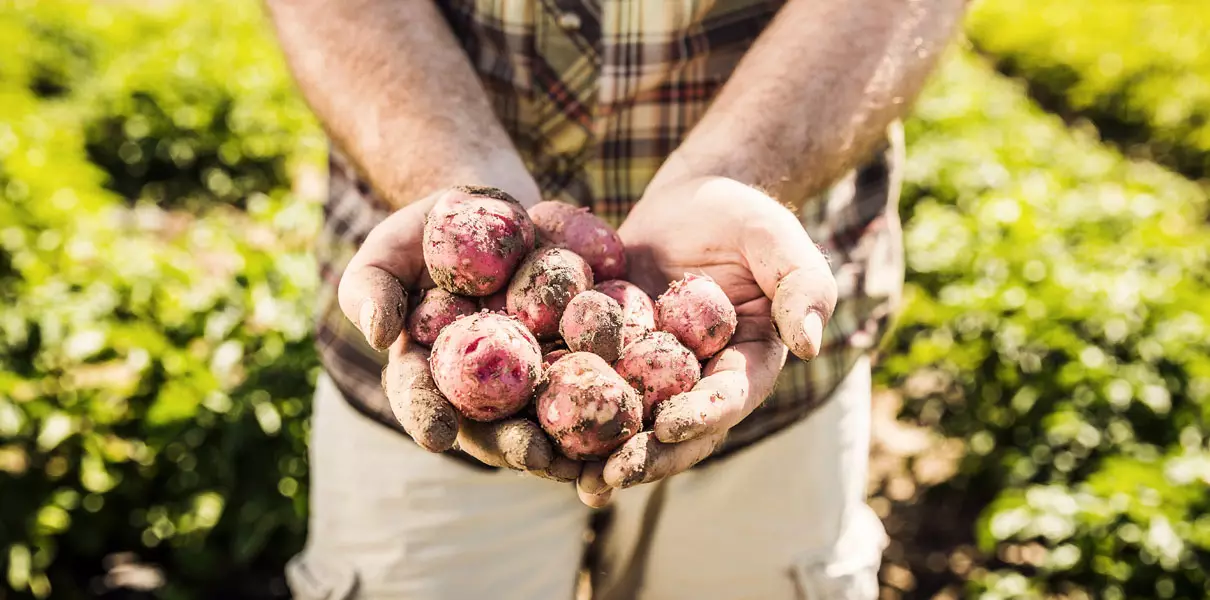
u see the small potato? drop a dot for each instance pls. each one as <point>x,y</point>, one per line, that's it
<point>487,365</point>
<point>638,311</point>
<point>497,302</point>
<point>659,367</point>
<point>586,408</point>
<point>437,309</point>
<point>549,358</point>
<point>696,310</point>
<point>543,286</point>
<point>577,229</point>
<point>474,238</point>
<point>593,323</point>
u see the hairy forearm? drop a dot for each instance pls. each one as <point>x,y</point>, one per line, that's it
<point>816,93</point>
<point>395,92</point>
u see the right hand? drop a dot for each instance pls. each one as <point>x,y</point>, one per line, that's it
<point>373,295</point>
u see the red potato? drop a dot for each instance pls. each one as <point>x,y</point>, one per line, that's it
<point>659,367</point>
<point>497,302</point>
<point>549,358</point>
<point>474,238</point>
<point>487,365</point>
<point>592,323</point>
<point>696,310</point>
<point>543,286</point>
<point>587,408</point>
<point>437,309</point>
<point>638,311</point>
<point>552,351</point>
<point>582,232</point>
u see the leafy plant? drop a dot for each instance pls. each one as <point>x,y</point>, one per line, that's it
<point>155,365</point>
<point>1138,69</point>
<point>1055,326</point>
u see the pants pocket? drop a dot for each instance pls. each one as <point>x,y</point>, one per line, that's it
<point>848,571</point>
<point>310,579</point>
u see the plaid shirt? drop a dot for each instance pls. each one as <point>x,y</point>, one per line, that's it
<point>595,95</point>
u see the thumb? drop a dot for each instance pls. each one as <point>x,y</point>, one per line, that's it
<point>372,288</point>
<point>792,271</point>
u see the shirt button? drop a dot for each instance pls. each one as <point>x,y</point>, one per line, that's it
<point>569,21</point>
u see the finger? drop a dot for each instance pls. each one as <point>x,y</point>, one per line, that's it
<point>515,443</point>
<point>591,486</point>
<point>422,411</point>
<point>803,303</point>
<point>561,469</point>
<point>372,292</point>
<point>600,500</point>
<point>644,459</point>
<point>734,382</point>
<point>792,271</point>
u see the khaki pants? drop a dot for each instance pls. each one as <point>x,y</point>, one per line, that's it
<point>783,519</point>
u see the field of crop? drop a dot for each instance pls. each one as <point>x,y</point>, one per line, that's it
<point>1050,374</point>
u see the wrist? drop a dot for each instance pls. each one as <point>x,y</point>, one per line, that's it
<point>508,173</point>
<point>687,164</point>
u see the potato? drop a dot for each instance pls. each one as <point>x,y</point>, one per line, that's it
<point>577,229</point>
<point>474,238</point>
<point>543,286</point>
<point>659,367</point>
<point>587,408</point>
<point>696,310</point>
<point>487,365</point>
<point>592,323</point>
<point>437,309</point>
<point>638,311</point>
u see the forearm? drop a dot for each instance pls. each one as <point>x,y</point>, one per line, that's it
<point>815,94</point>
<point>394,90</point>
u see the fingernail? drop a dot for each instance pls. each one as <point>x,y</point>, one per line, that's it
<point>365,319</point>
<point>812,327</point>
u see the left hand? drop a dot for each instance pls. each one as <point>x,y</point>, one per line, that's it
<point>783,291</point>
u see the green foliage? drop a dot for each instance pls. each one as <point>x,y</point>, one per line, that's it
<point>1138,68</point>
<point>155,365</point>
<point>1057,325</point>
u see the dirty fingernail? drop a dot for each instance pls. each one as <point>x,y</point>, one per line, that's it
<point>365,319</point>
<point>812,328</point>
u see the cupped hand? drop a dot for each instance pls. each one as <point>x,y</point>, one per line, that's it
<point>783,291</point>
<point>373,295</point>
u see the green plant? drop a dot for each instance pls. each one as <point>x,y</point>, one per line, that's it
<point>1138,69</point>
<point>155,365</point>
<point>1055,325</point>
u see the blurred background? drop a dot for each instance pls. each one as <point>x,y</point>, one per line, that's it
<point>1042,413</point>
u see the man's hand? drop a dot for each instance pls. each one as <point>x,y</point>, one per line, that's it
<point>782,289</point>
<point>373,295</point>
<point>807,103</point>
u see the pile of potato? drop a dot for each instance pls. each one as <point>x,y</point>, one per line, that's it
<point>531,315</point>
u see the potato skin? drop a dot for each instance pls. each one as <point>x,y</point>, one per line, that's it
<point>592,323</point>
<point>497,302</point>
<point>587,408</point>
<point>544,284</point>
<point>659,367</point>
<point>435,311</point>
<point>549,358</point>
<point>696,310</point>
<point>474,241</point>
<point>577,229</point>
<point>487,365</point>
<point>638,310</point>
